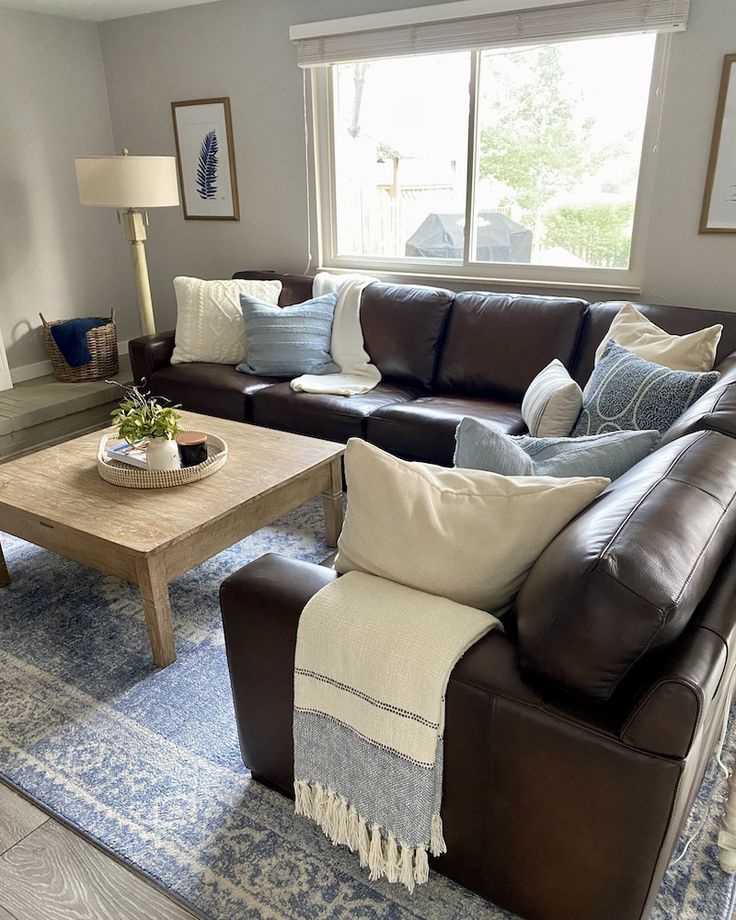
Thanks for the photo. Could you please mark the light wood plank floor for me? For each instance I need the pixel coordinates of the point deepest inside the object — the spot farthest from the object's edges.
(48, 872)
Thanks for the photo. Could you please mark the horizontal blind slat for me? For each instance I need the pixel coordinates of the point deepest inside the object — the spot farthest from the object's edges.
(598, 17)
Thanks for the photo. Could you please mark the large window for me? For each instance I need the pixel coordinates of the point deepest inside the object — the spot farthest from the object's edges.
(521, 162)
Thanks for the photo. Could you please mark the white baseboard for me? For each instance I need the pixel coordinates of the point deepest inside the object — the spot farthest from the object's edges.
(43, 368)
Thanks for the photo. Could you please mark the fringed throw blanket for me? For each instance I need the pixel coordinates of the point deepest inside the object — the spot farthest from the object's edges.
(373, 659)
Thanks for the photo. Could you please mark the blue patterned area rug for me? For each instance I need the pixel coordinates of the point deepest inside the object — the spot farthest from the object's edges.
(146, 763)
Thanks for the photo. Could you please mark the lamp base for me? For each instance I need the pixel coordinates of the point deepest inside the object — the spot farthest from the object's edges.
(134, 224)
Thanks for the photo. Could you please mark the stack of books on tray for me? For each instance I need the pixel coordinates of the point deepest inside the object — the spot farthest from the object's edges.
(132, 454)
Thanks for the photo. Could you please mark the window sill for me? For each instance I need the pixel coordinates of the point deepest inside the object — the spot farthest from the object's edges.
(489, 283)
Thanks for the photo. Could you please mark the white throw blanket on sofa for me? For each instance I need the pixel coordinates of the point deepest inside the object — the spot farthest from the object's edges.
(357, 375)
(373, 659)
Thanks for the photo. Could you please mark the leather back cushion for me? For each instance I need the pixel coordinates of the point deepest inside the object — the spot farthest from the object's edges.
(675, 320)
(496, 344)
(295, 288)
(403, 325)
(626, 575)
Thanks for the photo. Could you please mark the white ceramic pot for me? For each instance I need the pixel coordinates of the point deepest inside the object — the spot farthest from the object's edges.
(162, 454)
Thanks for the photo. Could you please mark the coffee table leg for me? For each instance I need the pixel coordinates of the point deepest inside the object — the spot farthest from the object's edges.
(154, 590)
(4, 573)
(333, 503)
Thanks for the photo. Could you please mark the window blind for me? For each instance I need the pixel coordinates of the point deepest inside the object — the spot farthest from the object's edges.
(522, 27)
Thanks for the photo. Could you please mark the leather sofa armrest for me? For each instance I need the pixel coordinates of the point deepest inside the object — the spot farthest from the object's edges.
(665, 718)
(261, 605)
(658, 712)
(149, 353)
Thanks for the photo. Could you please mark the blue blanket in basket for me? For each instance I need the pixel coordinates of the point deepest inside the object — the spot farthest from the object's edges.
(71, 338)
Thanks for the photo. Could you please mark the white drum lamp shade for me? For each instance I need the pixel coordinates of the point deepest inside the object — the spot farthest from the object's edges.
(132, 185)
(127, 182)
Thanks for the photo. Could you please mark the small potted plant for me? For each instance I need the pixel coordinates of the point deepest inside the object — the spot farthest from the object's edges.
(142, 416)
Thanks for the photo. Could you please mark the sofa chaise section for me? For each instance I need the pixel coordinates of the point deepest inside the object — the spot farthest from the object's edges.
(556, 804)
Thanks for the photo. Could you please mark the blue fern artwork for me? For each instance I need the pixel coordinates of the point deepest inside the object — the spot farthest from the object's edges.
(207, 166)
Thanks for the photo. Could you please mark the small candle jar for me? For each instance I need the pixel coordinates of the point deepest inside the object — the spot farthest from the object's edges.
(192, 447)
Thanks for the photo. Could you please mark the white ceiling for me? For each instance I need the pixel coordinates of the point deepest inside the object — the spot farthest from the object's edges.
(97, 10)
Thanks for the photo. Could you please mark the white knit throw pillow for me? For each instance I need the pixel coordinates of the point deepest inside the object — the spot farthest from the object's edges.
(210, 325)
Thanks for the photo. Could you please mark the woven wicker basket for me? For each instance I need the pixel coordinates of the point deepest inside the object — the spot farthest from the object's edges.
(132, 477)
(103, 346)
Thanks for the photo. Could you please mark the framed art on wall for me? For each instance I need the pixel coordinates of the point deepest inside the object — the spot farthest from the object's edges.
(719, 202)
(205, 159)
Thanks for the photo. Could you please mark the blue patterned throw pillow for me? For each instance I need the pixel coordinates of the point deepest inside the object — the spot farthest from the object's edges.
(481, 446)
(626, 392)
(288, 341)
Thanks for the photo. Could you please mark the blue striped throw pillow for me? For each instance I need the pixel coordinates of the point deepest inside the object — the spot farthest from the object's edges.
(288, 341)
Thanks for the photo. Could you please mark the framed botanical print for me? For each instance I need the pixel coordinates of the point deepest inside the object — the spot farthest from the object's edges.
(719, 202)
(205, 159)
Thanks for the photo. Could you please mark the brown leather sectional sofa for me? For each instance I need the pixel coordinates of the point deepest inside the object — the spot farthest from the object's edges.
(576, 741)
(442, 356)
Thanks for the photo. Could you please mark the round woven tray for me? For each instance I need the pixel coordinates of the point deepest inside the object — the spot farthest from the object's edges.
(133, 477)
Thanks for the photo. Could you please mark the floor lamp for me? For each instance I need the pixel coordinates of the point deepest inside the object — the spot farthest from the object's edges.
(132, 185)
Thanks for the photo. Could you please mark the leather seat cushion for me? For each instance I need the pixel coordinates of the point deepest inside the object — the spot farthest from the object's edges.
(496, 344)
(625, 576)
(321, 415)
(212, 389)
(675, 320)
(425, 428)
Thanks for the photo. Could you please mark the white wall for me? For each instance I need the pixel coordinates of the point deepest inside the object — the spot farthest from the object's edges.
(56, 257)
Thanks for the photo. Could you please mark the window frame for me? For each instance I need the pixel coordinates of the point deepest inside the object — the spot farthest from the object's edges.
(627, 280)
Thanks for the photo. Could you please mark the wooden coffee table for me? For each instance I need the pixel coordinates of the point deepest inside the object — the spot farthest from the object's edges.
(56, 499)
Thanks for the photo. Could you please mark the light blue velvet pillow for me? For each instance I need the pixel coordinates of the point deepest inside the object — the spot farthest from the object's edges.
(631, 393)
(480, 446)
(288, 341)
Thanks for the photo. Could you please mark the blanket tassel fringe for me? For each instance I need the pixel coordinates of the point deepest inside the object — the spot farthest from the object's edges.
(383, 856)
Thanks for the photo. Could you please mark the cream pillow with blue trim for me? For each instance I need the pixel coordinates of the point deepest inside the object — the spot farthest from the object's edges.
(552, 402)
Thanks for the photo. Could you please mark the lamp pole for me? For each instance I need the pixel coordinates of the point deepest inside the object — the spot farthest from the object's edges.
(134, 223)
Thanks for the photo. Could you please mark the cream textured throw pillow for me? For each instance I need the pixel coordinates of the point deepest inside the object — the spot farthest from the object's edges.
(639, 335)
(209, 324)
(467, 535)
(552, 402)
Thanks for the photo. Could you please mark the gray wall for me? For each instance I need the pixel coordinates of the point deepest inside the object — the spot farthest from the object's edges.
(241, 49)
(55, 256)
(65, 259)
(235, 48)
(683, 266)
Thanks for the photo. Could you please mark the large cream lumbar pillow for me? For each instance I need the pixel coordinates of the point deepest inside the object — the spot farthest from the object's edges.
(467, 535)
(639, 335)
(209, 324)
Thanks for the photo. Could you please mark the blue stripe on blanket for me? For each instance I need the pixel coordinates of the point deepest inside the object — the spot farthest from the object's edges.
(385, 789)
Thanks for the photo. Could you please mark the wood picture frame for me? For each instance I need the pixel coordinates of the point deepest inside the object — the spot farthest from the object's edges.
(205, 159)
(718, 214)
